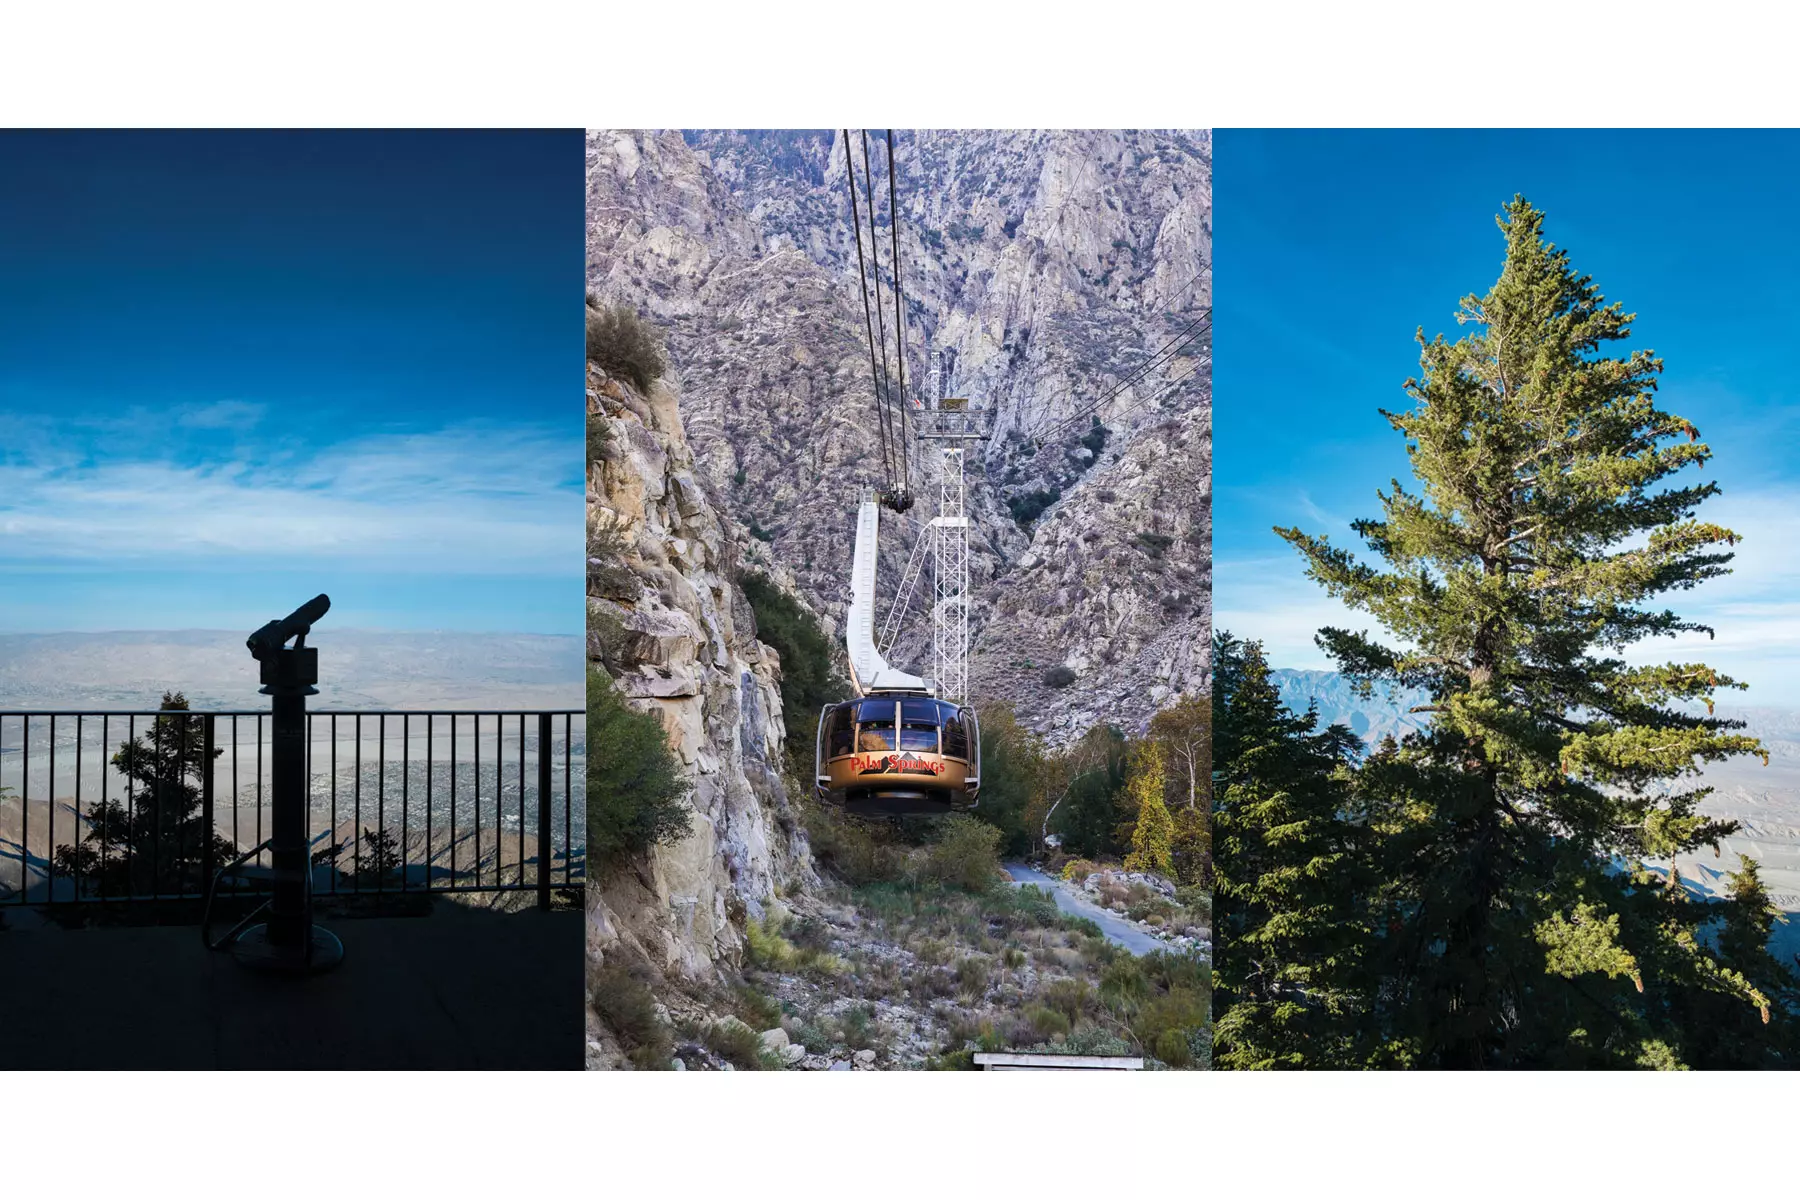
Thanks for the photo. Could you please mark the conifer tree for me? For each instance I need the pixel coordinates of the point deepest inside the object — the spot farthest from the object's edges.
(1725, 1033)
(155, 841)
(1291, 878)
(1153, 838)
(1510, 585)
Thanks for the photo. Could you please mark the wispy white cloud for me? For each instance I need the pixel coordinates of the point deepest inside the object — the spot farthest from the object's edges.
(1270, 600)
(1319, 515)
(220, 414)
(462, 500)
(1754, 611)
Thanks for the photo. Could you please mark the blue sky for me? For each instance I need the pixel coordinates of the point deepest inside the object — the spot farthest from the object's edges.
(241, 368)
(1331, 248)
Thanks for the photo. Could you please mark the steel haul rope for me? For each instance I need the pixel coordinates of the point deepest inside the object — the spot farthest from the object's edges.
(899, 319)
(887, 467)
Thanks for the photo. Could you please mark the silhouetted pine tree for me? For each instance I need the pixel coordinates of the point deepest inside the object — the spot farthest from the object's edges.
(153, 842)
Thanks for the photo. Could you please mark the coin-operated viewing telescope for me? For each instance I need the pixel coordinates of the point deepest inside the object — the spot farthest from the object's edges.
(266, 643)
(288, 940)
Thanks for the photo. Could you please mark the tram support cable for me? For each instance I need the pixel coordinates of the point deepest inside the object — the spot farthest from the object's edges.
(899, 312)
(881, 416)
(875, 262)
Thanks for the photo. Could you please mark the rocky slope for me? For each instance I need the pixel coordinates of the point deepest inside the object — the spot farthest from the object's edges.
(1041, 268)
(670, 625)
(1116, 587)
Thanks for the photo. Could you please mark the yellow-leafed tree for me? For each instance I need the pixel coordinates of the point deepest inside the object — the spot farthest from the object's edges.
(1153, 839)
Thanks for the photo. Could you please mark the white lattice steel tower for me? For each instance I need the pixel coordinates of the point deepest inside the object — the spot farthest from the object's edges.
(950, 577)
(954, 426)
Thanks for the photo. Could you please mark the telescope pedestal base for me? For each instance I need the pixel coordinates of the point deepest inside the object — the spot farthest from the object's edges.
(252, 948)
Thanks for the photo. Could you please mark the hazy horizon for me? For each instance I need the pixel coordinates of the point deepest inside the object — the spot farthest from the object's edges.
(121, 669)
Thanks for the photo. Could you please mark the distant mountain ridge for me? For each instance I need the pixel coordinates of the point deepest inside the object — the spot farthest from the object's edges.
(1371, 718)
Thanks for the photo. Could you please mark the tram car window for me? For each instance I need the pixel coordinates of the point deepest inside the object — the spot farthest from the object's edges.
(875, 725)
(919, 725)
(840, 731)
(956, 733)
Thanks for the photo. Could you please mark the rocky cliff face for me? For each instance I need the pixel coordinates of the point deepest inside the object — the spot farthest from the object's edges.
(672, 628)
(1040, 270)
(1115, 588)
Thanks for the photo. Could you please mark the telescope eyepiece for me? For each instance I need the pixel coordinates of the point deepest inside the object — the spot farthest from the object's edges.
(268, 640)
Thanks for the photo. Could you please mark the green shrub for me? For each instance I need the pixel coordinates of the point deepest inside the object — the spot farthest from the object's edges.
(625, 1003)
(1071, 997)
(1170, 970)
(1155, 544)
(1092, 1039)
(1172, 1047)
(1181, 1011)
(966, 854)
(1049, 1023)
(765, 945)
(856, 1027)
(758, 1010)
(737, 1044)
(1123, 984)
(1154, 909)
(953, 1060)
(972, 976)
(620, 343)
(1027, 508)
(1076, 870)
(851, 848)
(636, 789)
(1059, 676)
(769, 947)
(1033, 906)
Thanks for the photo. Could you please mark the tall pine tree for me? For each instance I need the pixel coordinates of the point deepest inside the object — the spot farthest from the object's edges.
(1525, 928)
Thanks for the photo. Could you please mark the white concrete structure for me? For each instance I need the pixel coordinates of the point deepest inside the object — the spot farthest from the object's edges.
(1007, 1061)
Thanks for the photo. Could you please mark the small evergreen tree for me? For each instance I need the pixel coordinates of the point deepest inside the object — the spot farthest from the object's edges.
(155, 841)
(1292, 879)
(378, 860)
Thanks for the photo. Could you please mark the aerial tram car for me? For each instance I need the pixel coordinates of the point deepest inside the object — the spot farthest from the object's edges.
(895, 749)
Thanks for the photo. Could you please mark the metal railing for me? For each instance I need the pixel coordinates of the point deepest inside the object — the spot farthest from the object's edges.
(147, 805)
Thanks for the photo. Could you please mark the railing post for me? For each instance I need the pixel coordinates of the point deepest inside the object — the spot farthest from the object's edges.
(207, 865)
(544, 818)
